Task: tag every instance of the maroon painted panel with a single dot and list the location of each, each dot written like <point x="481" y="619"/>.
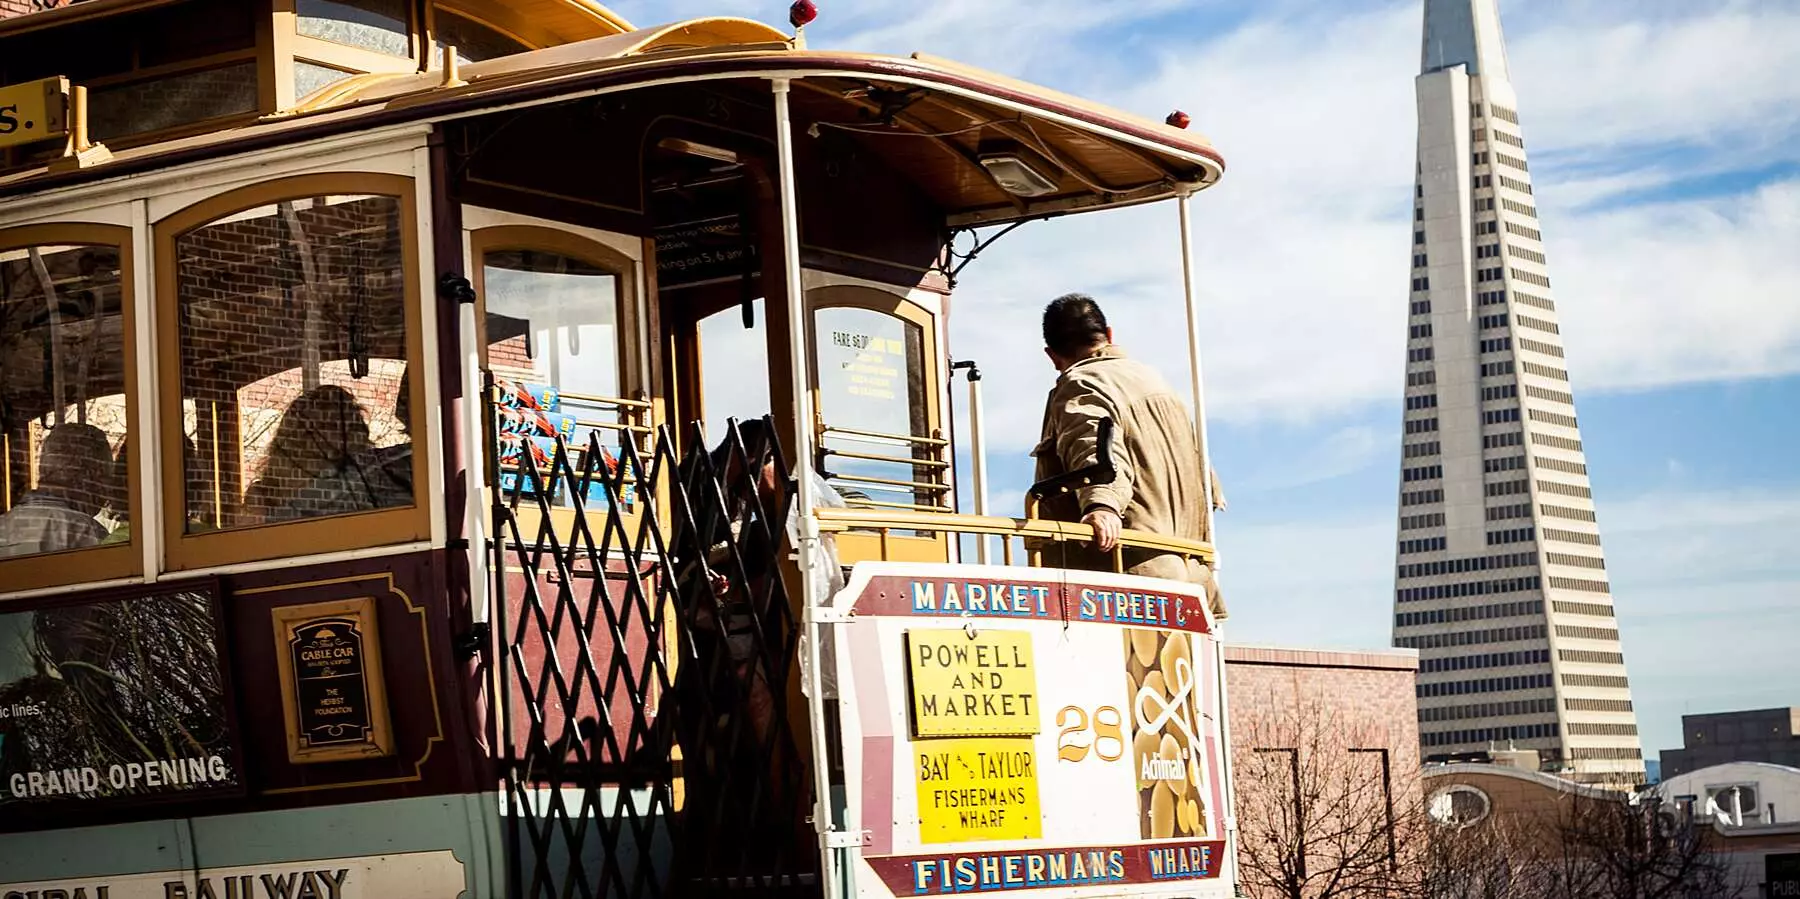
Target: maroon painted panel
<point x="434" y="750"/>
<point x="600" y="664"/>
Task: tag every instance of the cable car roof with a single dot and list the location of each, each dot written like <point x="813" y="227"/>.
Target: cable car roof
<point x="929" y="117"/>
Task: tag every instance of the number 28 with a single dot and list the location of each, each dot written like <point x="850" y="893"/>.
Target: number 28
<point x="1073" y="742"/>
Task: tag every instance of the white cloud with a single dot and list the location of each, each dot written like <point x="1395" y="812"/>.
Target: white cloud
<point x="1681" y="291"/>
<point x="1710" y="78"/>
<point x="1303" y="246"/>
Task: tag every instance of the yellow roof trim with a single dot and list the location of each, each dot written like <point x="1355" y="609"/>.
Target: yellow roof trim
<point x="698" y="35"/>
<point x="334" y="93"/>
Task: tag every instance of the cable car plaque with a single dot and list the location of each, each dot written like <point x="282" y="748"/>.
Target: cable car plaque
<point x="332" y="689"/>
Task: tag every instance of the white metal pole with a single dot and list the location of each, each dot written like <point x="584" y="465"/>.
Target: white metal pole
<point x="978" y="458"/>
<point x="1212" y="534"/>
<point x="803" y="472"/>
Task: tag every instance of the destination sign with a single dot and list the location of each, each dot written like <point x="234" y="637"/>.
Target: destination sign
<point x="34" y="111"/>
<point x="972" y="683"/>
<point x="1042" y="731"/>
<point x="982" y="789"/>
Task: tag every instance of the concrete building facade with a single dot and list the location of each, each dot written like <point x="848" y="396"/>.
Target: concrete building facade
<point x="1760" y="735"/>
<point x="1501" y="583"/>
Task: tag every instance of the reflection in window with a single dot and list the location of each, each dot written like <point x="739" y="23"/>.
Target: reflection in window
<point x="553" y="342"/>
<point x="292" y="335"/>
<point x="473" y="41"/>
<point x="378" y="25"/>
<point x="160" y="104"/>
<point x="63" y="421"/>
<point x="310" y="77"/>
<point x="734" y="369"/>
<point x="872" y="381"/>
<point x="1458" y="806"/>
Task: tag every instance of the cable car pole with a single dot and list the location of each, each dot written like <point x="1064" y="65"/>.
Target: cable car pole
<point x="823" y="818"/>
<point x="1206" y="498"/>
<point x="977" y="451"/>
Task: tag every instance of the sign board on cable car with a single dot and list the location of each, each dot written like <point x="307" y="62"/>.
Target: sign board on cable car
<point x="34" y="111"/>
<point x="1030" y="730"/>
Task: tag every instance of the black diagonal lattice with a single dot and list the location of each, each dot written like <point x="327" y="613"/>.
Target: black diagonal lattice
<point x="645" y="723"/>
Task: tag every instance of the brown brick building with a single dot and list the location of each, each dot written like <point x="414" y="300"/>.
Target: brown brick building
<point x="10" y="8"/>
<point x="1325" y="758"/>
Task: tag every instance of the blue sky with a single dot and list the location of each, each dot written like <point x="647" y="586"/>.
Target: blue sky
<point x="1665" y="146"/>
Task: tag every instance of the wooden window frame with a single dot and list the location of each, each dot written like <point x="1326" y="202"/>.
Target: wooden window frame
<point x="103" y="562"/>
<point x="282" y="44"/>
<point x="552" y="239"/>
<point x="308" y="536"/>
<point x="856" y="546"/>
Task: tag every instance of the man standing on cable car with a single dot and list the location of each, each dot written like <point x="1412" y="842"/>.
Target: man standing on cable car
<point x="1158" y="485"/>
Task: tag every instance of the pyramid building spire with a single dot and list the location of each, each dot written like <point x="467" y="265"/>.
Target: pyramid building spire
<point x="1500" y="579"/>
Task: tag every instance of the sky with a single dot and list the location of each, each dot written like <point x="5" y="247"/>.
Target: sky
<point x="1665" y="149"/>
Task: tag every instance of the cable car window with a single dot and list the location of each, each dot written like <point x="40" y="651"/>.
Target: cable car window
<point x="873" y="400"/>
<point x="293" y="348"/>
<point x="378" y="25"/>
<point x="473" y="40"/>
<point x="66" y="422"/>
<point x="734" y="368"/>
<point x="159" y="104"/>
<point x="310" y="77"/>
<point x="553" y="345"/>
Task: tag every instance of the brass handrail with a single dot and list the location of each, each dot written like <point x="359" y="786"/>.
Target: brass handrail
<point x="605" y="400"/>
<point x="923" y="509"/>
<point x="889" y="482"/>
<point x="870" y="457"/>
<point x="902" y="438"/>
<point x="835" y="520"/>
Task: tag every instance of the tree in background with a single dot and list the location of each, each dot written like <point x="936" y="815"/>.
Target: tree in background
<point x="1321" y="811"/>
<point x="1590" y="844"/>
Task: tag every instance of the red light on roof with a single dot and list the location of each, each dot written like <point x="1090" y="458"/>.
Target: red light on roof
<point x="1178" y="118"/>
<point x="802" y="13"/>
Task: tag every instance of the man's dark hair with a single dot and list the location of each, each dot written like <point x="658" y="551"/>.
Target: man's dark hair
<point x="1073" y="324"/>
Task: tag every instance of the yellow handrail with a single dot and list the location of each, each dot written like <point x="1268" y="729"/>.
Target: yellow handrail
<point x="838" y="520"/>
<point x="870" y="457"/>
<point x="890" y="482"/>
<point x="620" y="402"/>
<point x="829" y="430"/>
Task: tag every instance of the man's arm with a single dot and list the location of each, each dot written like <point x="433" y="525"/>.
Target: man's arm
<point x="1080" y="408"/>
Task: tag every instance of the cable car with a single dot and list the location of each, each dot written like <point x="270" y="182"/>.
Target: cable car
<point x="464" y="447"/>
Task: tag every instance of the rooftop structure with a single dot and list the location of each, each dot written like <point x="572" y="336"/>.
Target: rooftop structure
<point x="1759" y="735"/>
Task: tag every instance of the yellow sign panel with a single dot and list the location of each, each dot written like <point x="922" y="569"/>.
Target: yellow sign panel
<point x="981" y="789"/>
<point x="968" y="683"/>
<point x="34" y="111"/>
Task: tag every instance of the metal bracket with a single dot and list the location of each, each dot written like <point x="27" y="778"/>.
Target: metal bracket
<point x="473" y="641"/>
<point x="452" y="286"/>
<point x="849" y="839"/>
<point x="959" y="261"/>
<point x="829" y="615"/>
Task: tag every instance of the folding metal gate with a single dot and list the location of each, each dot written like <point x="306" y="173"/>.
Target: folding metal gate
<point x="647" y="707"/>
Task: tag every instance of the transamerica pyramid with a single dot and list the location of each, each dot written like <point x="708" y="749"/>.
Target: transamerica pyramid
<point x="1500" y="582"/>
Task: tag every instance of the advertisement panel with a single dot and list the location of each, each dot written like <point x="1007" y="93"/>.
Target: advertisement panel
<point x="114" y="697"/>
<point x="1010" y="730"/>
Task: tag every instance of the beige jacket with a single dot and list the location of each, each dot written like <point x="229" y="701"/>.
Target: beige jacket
<point x="1158" y="487"/>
